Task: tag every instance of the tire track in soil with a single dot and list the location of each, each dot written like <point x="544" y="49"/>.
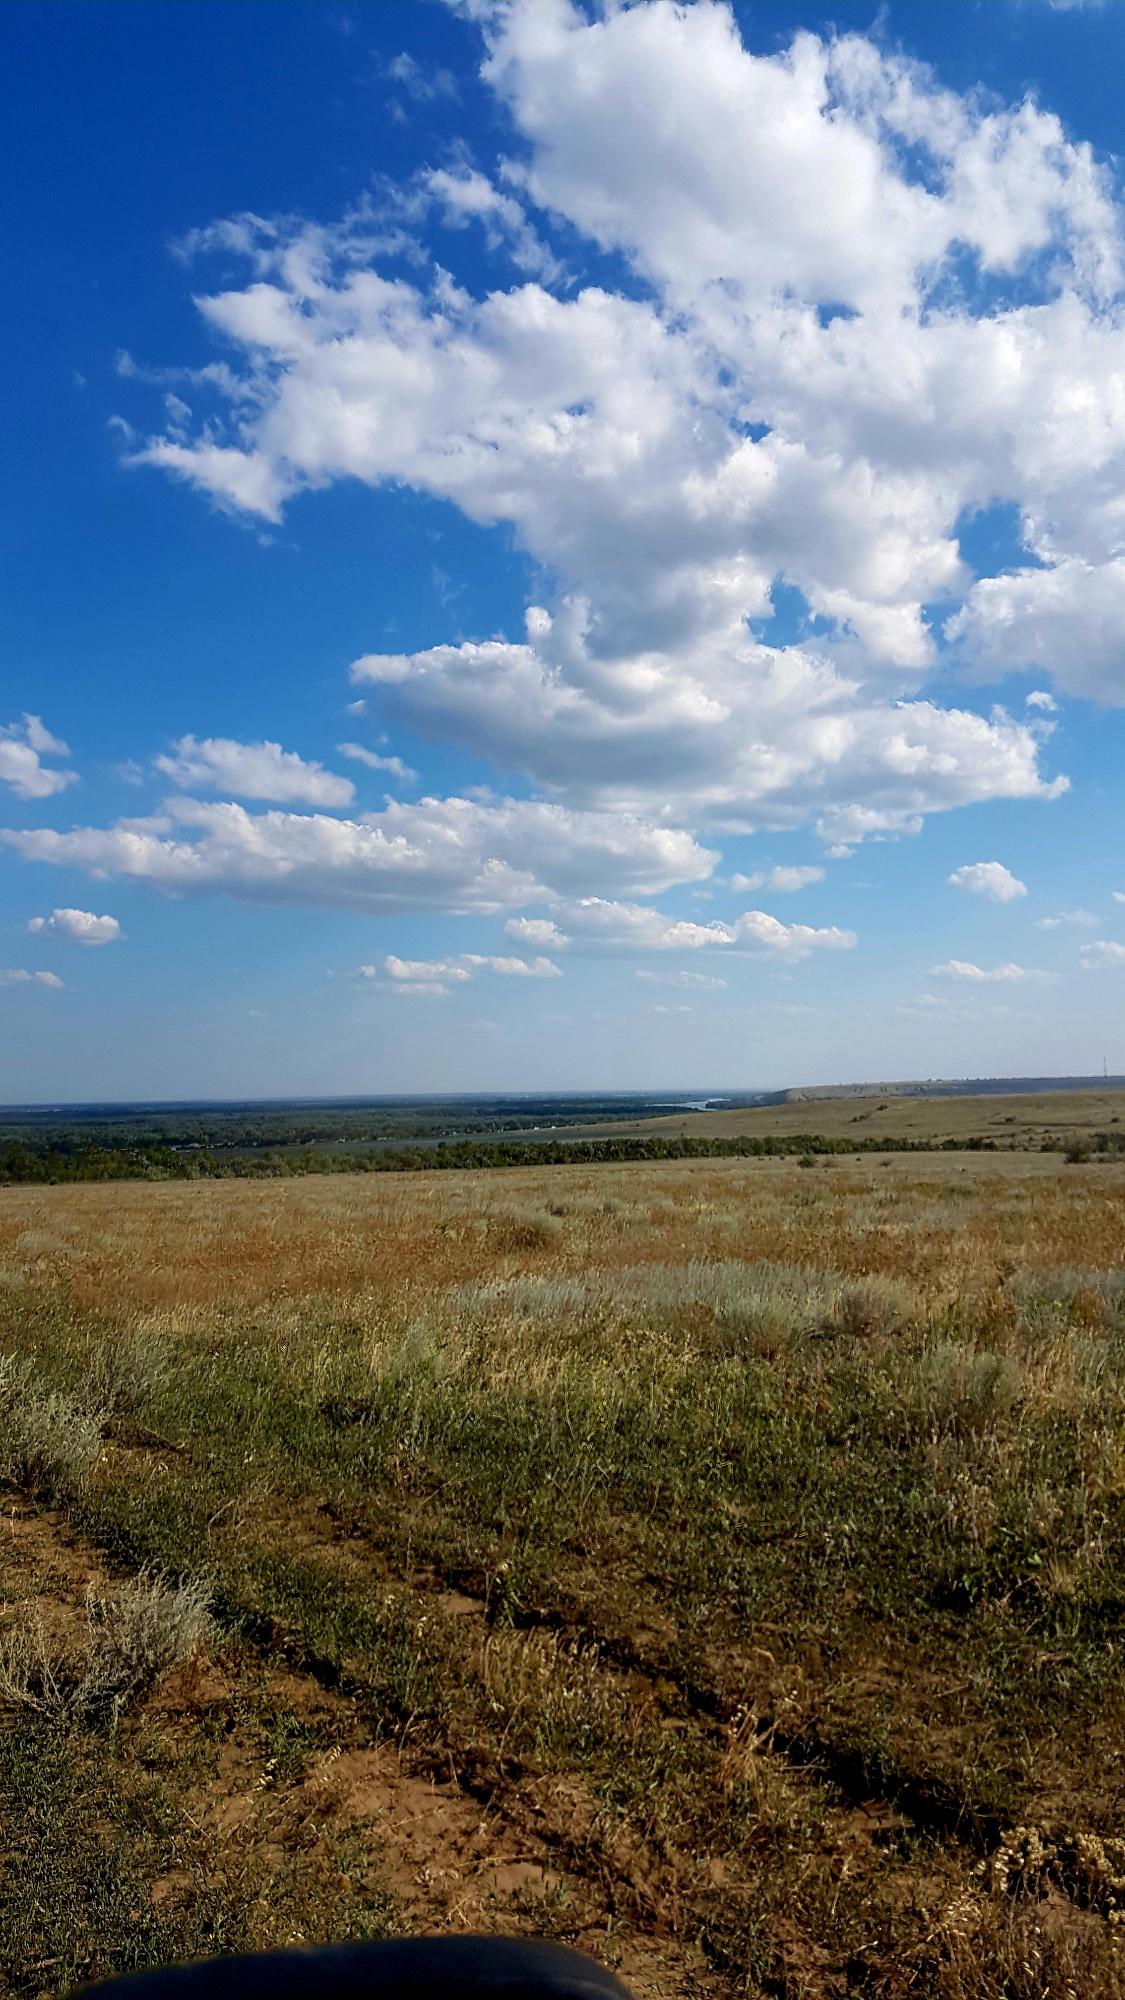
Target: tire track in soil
<point x="689" y="1893"/>
<point x="455" y="1850"/>
<point x="718" y="1702"/>
<point x="874" y="1806"/>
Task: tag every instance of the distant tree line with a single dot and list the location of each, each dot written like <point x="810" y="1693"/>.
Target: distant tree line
<point x="51" y="1161"/>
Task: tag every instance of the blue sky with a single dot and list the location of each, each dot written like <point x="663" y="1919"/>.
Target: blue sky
<point x="551" y="548"/>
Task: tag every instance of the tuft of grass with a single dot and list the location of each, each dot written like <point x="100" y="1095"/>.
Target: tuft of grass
<point x="748" y="1307"/>
<point x="122" y="1376"/>
<point x="954" y="1389"/>
<point x="49" y="1440"/>
<point x="131" y="1640"/>
<point x="987" y="1948"/>
<point x="763" y="1308"/>
<point x="1070" y="1294"/>
<point x="526" y="1229"/>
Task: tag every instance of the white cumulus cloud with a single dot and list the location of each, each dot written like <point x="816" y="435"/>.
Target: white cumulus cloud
<point x="465" y="196"/>
<point x="436" y="975"/>
<point x="16" y="975"/>
<point x="597" y="923"/>
<point x="790" y="940"/>
<point x="855" y="306"/>
<point x="23" y="746"/>
<point x="737" y="735"/>
<point x="991" y="879"/>
<point x="1068" y="617"/>
<point x="253" y="771"/>
<point x="536" y="930"/>
<point x="421" y="971"/>
<point x="512" y="968"/>
<point x="439" y="854"/>
<point x="81" y="926"/>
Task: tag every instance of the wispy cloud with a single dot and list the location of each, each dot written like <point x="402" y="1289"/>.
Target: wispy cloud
<point x="965" y="1008"/>
<point x="779" y="881"/>
<point x="1104" y="951"/>
<point x="696" y="980"/>
<point x="394" y="766"/>
<point x="16" y="975"/>
<point x="1067" y="919"/>
<point x="425" y="86"/>
<point x="964" y="969"/>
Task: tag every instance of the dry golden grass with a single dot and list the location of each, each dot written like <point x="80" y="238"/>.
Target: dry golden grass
<point x="176" y="1249"/>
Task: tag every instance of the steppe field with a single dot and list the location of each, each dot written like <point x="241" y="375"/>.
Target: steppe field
<point x="1023" y="1119"/>
<point x="719" y="1565"/>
